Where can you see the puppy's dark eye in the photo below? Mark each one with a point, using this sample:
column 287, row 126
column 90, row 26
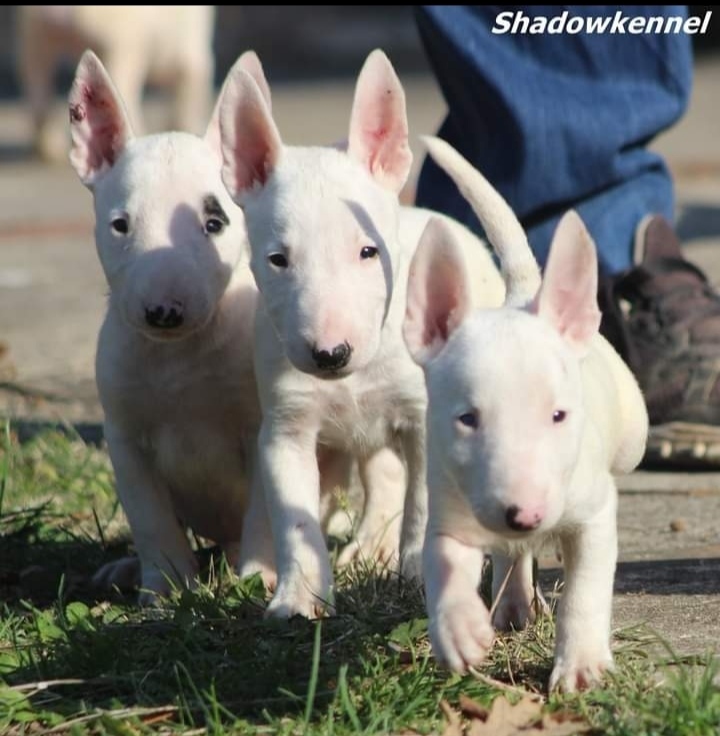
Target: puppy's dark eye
column 369, row 251
column 469, row 419
column 214, row 225
column 120, row 225
column 278, row 260
column 559, row 416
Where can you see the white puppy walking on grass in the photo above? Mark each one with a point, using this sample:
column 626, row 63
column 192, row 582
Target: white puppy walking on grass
column 330, row 251
column 530, row 412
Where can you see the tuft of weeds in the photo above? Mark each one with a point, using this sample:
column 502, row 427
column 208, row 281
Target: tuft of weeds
column 676, row 697
column 59, row 516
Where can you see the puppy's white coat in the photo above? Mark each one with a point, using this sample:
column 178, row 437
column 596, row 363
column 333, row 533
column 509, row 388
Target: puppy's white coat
column 330, row 250
column 175, row 353
column 530, row 412
column 174, row 359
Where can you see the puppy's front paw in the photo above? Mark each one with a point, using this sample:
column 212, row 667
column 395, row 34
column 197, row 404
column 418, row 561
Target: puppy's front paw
column 411, row 563
column 285, row 605
column 123, row 574
column 517, row 609
column 461, row 633
column 151, row 598
column 267, row 574
column 381, row 548
column 157, row 584
column 579, row 671
column 295, row 595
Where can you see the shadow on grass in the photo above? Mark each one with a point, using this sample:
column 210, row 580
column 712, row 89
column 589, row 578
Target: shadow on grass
column 42, row 557
column 208, row 650
column 211, row 649
column 67, row 648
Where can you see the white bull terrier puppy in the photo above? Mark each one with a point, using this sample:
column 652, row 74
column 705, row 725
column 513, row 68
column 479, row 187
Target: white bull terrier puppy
column 171, row 45
column 330, row 252
column 530, row 412
column 174, row 359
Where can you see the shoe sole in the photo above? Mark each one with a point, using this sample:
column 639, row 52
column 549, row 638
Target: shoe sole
column 683, row 444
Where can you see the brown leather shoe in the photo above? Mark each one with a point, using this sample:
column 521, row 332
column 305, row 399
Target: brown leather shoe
column 663, row 316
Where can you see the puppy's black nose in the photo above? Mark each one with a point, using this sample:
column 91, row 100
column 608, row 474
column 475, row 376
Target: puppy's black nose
column 523, row 520
column 163, row 317
column 338, row 357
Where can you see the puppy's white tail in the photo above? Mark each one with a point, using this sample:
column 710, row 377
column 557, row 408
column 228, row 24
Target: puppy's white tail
column 517, row 262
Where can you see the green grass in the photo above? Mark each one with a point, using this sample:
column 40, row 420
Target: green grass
column 74, row 662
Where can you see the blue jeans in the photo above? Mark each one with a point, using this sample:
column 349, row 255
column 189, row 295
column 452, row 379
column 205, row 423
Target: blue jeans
column 558, row 120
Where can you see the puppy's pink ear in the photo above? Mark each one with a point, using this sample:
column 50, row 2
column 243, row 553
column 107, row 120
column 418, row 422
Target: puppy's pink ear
column 99, row 125
column 568, row 295
column 378, row 123
column 249, row 62
column 438, row 294
column 250, row 141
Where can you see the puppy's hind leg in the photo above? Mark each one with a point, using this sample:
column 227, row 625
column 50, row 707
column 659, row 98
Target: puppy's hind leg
column 123, row 574
column 193, row 84
column 519, row 600
column 378, row 535
column 193, row 89
column 128, row 67
column 37, row 56
column 415, row 511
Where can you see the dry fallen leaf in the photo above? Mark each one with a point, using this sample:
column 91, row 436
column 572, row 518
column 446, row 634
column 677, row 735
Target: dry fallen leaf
column 524, row 718
column 506, row 719
column 562, row 724
column 454, row 727
column 473, row 709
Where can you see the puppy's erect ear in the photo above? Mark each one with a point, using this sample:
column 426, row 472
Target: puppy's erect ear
column 568, row 295
column 378, row 124
column 250, row 141
column 438, row 294
column 99, row 126
column 249, row 62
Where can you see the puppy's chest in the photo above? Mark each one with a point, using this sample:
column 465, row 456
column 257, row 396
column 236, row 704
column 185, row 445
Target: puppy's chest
column 191, row 417
column 202, row 454
column 205, row 471
column 213, row 391
column 198, row 445
column 365, row 415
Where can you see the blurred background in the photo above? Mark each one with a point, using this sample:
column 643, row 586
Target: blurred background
column 305, row 41
column 52, row 290
column 293, row 42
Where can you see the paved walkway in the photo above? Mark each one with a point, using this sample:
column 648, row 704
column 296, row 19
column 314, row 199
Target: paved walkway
column 52, row 296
